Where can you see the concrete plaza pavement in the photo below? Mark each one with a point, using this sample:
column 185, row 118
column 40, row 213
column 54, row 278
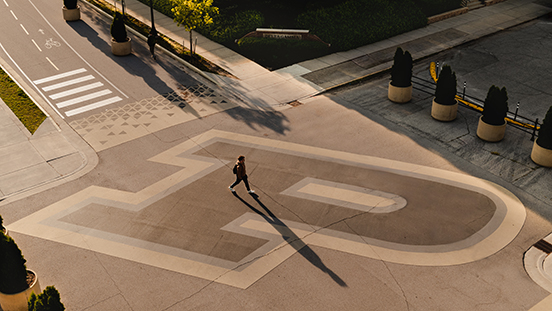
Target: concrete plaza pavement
column 135, row 227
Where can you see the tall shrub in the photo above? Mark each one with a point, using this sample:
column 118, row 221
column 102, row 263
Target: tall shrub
column 445, row 91
column 13, row 272
column 496, row 106
column 545, row 131
column 48, row 300
column 118, row 30
column 401, row 72
column 70, row 4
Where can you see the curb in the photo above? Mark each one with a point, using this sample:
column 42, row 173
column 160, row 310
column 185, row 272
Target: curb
column 142, row 37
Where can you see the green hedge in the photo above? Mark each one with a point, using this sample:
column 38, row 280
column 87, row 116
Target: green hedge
column 360, row 22
column 277, row 53
column 434, row 7
column 226, row 29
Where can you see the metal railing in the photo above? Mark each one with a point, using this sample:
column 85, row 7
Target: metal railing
column 512, row 118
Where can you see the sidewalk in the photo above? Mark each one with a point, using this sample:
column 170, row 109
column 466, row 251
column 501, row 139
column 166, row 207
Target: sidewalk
column 32, row 163
column 264, row 88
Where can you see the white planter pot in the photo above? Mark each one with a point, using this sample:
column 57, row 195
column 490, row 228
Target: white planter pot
column 18, row 302
column 444, row 113
column 71, row 14
column 121, row 48
column 398, row 94
column 541, row 156
column 490, row 133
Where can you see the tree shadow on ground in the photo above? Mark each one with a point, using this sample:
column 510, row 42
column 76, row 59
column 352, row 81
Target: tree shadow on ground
column 292, row 239
column 273, row 120
column 135, row 63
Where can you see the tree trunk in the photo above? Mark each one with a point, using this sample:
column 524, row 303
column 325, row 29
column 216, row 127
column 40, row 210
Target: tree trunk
column 191, row 45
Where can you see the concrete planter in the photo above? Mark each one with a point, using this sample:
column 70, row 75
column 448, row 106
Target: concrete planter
column 71, row 14
column 18, row 302
column 121, row 48
column 541, row 156
column 399, row 94
column 444, row 113
column 490, row 133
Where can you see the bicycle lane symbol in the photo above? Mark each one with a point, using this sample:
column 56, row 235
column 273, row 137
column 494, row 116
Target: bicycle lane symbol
column 50, row 43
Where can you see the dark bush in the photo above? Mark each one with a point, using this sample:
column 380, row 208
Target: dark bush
column 401, row 72
column 48, row 300
column 277, row 53
column 445, row 91
column 434, row 7
column 118, row 30
column 226, row 29
column 360, row 22
column 13, row 272
column 495, row 106
column 545, row 131
column 70, row 4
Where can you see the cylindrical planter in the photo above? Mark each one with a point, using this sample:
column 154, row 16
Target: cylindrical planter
column 71, row 14
column 541, row 156
column 121, row 48
column 444, row 113
column 18, row 302
column 490, row 133
column 399, row 94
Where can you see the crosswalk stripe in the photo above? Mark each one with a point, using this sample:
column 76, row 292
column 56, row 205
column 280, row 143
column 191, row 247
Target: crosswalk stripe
column 76, row 90
column 82, row 98
column 67, row 83
column 59, row 76
column 93, row 106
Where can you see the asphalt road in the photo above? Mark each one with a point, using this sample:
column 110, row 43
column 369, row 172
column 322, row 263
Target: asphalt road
column 71, row 65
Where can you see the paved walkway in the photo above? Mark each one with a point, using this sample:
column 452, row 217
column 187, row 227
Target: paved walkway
column 255, row 86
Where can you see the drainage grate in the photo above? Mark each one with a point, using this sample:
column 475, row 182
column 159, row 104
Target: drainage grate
column 544, row 246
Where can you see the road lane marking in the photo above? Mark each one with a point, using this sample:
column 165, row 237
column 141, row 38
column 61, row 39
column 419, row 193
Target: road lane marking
column 24, row 29
column 83, row 98
column 82, row 58
column 67, row 83
column 93, row 106
column 14, row 15
column 6, row 3
column 59, row 76
column 76, row 90
column 52, row 63
column 41, row 94
column 38, row 47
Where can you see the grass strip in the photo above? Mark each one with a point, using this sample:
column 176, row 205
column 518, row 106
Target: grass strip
column 22, row 106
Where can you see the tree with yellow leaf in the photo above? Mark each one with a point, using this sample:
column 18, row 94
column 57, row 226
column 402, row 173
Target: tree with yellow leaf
column 193, row 14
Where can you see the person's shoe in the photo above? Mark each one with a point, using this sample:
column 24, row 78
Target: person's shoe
column 250, row 191
column 231, row 189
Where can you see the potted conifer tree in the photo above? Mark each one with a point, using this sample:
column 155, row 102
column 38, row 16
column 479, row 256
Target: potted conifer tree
column 120, row 42
column 400, row 86
column 492, row 124
column 2, row 228
column 48, row 300
column 445, row 105
column 71, row 10
column 16, row 282
column 542, row 147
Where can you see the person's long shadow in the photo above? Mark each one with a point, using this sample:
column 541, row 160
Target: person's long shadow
column 292, row 239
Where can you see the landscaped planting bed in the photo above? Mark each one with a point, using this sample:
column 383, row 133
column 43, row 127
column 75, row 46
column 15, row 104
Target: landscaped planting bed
column 344, row 24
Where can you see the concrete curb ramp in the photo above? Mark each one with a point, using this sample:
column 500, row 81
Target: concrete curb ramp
column 502, row 228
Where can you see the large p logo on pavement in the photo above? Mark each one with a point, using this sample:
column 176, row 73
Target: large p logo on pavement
column 505, row 219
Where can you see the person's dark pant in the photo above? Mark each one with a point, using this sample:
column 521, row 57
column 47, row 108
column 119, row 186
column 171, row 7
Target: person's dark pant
column 238, row 180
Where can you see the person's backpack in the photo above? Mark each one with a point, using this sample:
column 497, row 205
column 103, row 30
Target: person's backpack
column 235, row 169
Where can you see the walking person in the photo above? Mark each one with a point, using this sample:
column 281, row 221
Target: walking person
column 239, row 170
column 152, row 39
